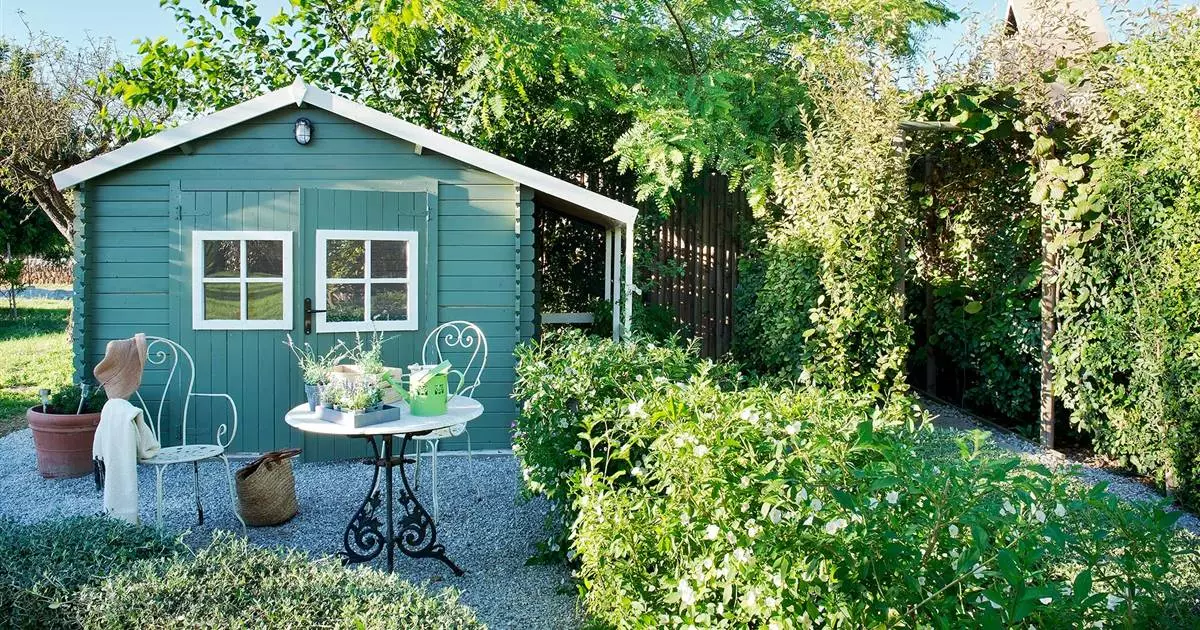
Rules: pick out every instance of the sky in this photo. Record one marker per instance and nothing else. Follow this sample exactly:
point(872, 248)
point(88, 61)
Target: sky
point(127, 20)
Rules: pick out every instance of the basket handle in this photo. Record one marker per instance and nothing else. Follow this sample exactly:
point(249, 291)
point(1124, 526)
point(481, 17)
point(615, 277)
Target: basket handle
point(273, 456)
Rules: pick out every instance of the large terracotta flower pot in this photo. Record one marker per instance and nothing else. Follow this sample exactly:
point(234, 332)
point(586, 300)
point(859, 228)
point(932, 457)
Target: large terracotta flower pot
point(63, 442)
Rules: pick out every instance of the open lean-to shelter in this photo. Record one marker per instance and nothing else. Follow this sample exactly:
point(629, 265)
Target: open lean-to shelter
point(231, 230)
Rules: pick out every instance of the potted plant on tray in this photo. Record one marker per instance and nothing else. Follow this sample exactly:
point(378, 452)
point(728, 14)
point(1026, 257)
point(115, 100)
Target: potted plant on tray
point(63, 428)
point(314, 368)
point(359, 392)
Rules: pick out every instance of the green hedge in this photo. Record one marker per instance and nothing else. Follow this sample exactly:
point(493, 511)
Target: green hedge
point(100, 573)
point(774, 507)
point(565, 377)
point(43, 566)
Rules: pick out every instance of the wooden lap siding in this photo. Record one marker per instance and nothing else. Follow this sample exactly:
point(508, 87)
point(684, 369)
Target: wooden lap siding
point(133, 231)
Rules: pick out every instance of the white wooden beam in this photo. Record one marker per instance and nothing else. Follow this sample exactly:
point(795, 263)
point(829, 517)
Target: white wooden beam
point(616, 286)
point(608, 247)
point(628, 294)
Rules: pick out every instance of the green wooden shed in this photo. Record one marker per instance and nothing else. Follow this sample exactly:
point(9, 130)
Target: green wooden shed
point(231, 230)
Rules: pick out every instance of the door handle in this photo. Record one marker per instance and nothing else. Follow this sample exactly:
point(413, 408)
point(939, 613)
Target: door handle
point(308, 313)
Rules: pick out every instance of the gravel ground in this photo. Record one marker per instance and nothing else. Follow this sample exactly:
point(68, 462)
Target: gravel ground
point(490, 538)
point(950, 417)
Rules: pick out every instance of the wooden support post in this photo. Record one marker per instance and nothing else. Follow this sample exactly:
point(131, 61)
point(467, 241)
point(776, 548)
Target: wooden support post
point(616, 285)
point(627, 328)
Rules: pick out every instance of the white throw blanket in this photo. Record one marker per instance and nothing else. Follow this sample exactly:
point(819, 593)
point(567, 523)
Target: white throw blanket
point(122, 438)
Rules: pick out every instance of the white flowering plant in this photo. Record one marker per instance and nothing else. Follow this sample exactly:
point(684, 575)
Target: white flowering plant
point(565, 377)
point(693, 504)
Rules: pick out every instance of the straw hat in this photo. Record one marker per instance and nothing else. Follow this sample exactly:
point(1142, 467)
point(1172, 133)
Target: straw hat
point(120, 372)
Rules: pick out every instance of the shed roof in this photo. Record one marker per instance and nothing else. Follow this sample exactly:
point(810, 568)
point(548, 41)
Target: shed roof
point(300, 93)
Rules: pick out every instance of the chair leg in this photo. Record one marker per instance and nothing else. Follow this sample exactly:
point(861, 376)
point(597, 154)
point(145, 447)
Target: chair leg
point(433, 482)
point(233, 492)
point(158, 498)
point(471, 468)
point(196, 484)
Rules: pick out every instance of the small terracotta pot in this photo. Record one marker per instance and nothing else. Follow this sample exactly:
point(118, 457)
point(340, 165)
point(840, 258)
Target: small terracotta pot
point(63, 442)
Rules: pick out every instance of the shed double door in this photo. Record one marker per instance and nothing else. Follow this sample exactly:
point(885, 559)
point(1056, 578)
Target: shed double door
point(359, 262)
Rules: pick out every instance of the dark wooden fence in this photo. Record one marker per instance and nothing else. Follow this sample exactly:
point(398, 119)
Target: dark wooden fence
point(704, 235)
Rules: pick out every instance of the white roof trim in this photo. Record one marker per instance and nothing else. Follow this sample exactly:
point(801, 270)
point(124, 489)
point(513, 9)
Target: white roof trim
point(299, 93)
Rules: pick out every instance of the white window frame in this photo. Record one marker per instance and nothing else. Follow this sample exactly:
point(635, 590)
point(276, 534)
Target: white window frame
point(367, 324)
point(198, 280)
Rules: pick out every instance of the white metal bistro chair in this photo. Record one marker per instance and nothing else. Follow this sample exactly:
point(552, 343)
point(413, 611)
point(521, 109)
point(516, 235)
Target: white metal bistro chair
point(164, 352)
point(459, 338)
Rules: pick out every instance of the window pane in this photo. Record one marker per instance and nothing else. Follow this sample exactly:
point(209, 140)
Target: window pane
point(264, 300)
point(389, 259)
point(344, 259)
point(389, 301)
point(222, 259)
point(344, 303)
point(264, 259)
point(222, 300)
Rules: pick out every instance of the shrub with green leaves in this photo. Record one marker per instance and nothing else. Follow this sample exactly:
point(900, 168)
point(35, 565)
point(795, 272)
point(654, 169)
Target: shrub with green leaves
point(777, 508)
point(233, 584)
point(102, 573)
point(43, 565)
point(565, 377)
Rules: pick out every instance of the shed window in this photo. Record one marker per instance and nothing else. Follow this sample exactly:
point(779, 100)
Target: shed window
point(241, 280)
point(366, 280)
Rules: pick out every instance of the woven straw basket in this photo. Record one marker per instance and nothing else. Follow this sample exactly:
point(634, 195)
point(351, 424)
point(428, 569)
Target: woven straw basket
point(266, 489)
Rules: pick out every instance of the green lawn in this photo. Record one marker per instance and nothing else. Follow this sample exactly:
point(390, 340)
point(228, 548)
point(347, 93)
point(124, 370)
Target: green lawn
point(34, 353)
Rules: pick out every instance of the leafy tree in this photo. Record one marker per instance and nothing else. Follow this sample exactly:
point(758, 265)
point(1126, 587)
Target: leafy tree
point(50, 118)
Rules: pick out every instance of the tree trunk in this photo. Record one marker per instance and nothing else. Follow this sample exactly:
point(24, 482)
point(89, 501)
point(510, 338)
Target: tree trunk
point(1049, 305)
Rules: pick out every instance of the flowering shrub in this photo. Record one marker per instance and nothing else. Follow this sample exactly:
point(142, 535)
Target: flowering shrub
point(566, 377)
point(780, 508)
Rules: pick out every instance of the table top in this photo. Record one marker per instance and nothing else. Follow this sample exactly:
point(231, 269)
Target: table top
point(459, 410)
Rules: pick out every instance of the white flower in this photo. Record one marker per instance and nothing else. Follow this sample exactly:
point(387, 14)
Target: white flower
point(744, 482)
point(775, 516)
point(1007, 508)
point(1046, 600)
point(741, 554)
point(730, 538)
point(685, 518)
point(892, 497)
point(978, 571)
point(1114, 601)
point(752, 529)
point(816, 505)
point(637, 471)
point(750, 415)
point(1039, 515)
point(802, 495)
point(711, 532)
point(872, 503)
point(793, 428)
point(809, 520)
point(699, 450)
point(953, 531)
point(751, 598)
point(771, 603)
point(635, 409)
point(836, 525)
point(921, 580)
point(686, 594)
point(1059, 510)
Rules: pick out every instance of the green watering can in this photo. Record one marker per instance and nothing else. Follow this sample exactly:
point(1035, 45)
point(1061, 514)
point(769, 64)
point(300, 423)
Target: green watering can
point(428, 388)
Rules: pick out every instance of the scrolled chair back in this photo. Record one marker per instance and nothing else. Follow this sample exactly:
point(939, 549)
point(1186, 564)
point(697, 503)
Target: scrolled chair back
point(458, 339)
point(169, 355)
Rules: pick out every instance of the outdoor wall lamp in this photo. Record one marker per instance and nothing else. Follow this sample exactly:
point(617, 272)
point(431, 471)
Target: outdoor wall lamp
point(303, 130)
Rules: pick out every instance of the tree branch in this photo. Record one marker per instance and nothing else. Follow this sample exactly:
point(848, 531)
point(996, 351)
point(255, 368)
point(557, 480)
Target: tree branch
point(687, 42)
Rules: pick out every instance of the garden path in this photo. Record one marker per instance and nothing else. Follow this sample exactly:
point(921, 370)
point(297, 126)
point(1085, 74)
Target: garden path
point(947, 416)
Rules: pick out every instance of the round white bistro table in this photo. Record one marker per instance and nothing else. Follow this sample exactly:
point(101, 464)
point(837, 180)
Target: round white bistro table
point(416, 533)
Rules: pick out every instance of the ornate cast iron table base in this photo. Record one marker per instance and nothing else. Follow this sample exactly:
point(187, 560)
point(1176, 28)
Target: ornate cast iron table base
point(415, 535)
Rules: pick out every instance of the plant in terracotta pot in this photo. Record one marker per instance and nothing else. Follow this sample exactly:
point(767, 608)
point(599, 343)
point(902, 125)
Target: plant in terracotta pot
point(63, 427)
point(314, 368)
